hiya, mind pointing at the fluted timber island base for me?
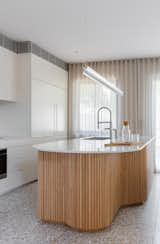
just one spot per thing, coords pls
(85, 191)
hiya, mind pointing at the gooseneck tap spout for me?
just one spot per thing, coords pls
(107, 123)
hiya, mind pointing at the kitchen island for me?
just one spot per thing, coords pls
(82, 183)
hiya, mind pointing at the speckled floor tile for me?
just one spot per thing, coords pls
(18, 222)
(132, 225)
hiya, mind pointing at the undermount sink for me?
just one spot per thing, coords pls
(96, 138)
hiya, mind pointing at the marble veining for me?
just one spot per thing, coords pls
(132, 225)
(90, 146)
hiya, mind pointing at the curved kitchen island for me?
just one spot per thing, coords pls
(82, 183)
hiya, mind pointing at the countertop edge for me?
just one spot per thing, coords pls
(132, 149)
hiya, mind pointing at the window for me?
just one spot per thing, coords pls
(92, 97)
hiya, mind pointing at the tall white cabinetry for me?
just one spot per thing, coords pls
(8, 75)
(40, 111)
(48, 99)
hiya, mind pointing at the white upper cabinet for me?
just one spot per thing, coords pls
(48, 99)
(48, 72)
(49, 109)
(8, 74)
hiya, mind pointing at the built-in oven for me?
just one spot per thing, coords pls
(3, 163)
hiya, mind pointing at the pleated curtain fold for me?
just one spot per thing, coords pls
(136, 77)
(148, 77)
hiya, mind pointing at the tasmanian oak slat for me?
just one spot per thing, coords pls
(85, 191)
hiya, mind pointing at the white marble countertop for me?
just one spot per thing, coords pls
(8, 141)
(90, 146)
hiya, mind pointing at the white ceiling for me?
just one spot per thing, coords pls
(85, 30)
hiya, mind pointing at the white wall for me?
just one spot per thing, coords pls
(14, 116)
(49, 98)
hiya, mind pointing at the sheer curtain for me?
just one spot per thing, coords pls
(148, 112)
(86, 96)
(92, 97)
(148, 74)
(138, 78)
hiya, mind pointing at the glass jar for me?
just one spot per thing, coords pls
(126, 133)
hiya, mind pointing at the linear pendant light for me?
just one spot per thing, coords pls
(93, 75)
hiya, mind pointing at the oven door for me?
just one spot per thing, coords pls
(3, 163)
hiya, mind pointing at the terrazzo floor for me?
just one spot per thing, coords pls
(132, 225)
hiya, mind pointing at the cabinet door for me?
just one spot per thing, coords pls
(49, 105)
(60, 110)
(21, 167)
(8, 64)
